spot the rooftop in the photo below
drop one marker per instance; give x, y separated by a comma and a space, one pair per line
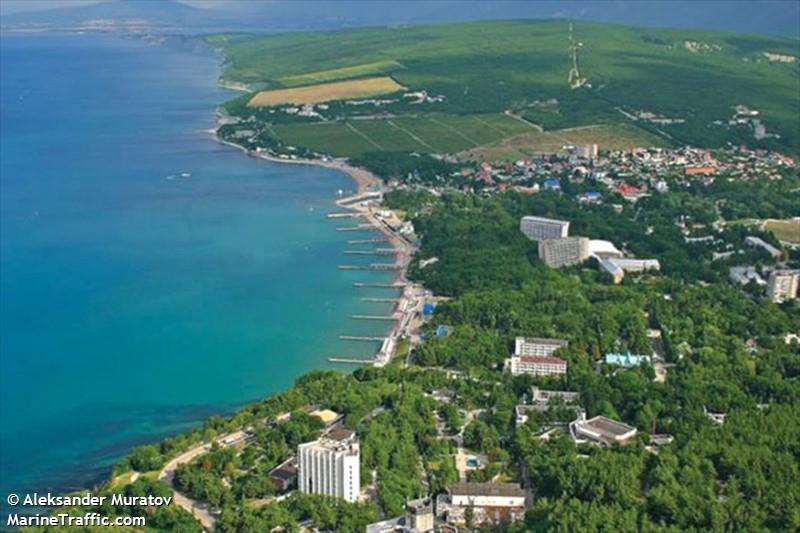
608, 428
539, 340
534, 359
487, 489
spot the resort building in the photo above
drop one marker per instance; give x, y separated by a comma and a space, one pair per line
539, 228
284, 476
761, 243
541, 398
535, 365
557, 253
627, 359
618, 266
601, 431
784, 285
537, 346
419, 515
491, 503
330, 465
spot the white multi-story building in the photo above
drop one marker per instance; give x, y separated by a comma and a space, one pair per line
784, 285
539, 228
330, 465
535, 365
566, 251
491, 504
536, 346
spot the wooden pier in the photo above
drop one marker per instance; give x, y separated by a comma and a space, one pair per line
355, 338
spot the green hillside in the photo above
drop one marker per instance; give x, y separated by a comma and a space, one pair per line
696, 77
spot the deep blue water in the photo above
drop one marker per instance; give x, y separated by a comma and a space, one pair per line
134, 302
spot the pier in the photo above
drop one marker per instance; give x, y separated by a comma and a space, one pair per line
360, 227
375, 317
351, 361
379, 285
344, 215
373, 266
355, 338
380, 300
371, 252
368, 241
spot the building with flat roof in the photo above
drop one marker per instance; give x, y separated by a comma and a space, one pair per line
538, 228
331, 465
537, 346
627, 359
284, 475
761, 243
541, 398
601, 431
535, 365
783, 285
419, 515
619, 266
491, 503
567, 251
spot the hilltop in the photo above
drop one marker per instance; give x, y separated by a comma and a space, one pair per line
682, 86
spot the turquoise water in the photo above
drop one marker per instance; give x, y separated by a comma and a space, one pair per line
135, 301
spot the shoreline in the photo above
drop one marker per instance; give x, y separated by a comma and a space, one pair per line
366, 182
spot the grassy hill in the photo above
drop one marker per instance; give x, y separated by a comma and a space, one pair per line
696, 77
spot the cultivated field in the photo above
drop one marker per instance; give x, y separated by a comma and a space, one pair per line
435, 133
344, 73
326, 92
607, 136
490, 67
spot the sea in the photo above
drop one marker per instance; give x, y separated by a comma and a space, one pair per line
149, 276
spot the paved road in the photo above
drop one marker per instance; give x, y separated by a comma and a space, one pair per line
199, 510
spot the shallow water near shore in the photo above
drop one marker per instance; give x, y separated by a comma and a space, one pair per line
150, 276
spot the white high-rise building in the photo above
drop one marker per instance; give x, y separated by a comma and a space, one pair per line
331, 465
557, 253
536, 346
539, 228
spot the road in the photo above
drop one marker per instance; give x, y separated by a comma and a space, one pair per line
199, 510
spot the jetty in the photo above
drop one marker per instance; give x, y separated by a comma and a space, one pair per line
375, 317
360, 284
368, 241
355, 338
351, 361
360, 227
380, 300
345, 215
371, 252
373, 266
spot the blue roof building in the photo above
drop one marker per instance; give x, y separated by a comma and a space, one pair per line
627, 360
552, 185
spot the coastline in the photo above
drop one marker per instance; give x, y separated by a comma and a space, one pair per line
410, 302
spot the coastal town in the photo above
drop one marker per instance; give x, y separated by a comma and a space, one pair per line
570, 255
332, 465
